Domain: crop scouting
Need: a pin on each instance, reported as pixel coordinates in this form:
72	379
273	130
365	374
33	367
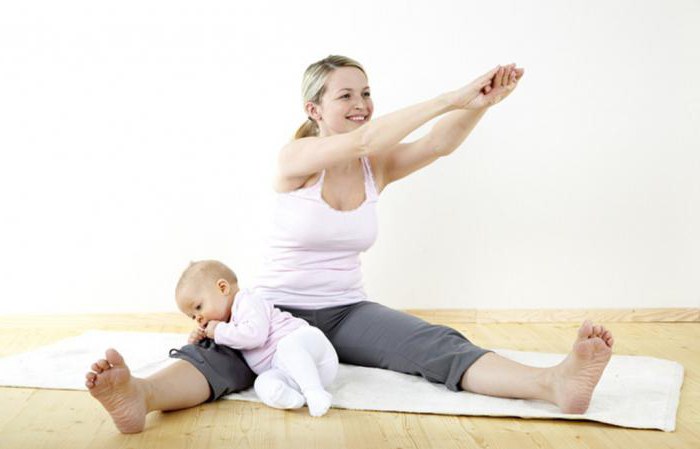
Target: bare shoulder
307	156
292	149
283	184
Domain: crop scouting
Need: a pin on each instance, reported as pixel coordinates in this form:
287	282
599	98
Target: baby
294	361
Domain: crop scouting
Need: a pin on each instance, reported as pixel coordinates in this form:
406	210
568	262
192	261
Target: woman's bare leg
128	399
569	385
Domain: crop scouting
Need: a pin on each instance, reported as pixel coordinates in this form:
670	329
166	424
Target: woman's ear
313	111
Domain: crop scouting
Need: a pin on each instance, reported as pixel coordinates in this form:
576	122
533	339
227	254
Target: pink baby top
313	257
255	328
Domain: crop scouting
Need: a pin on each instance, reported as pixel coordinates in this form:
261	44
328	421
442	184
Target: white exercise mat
638	392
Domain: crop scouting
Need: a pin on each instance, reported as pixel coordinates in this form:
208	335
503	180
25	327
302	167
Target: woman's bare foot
122	395
577	376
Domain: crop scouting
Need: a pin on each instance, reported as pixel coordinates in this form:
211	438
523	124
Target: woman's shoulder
285	184
282	184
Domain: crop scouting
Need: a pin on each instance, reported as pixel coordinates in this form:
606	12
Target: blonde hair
313	86
204	271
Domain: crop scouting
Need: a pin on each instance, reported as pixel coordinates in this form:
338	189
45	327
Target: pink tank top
313	256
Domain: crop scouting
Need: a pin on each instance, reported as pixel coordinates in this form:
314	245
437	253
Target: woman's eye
366	94
346	96
199	307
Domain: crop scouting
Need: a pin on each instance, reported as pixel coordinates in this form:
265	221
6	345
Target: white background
136	136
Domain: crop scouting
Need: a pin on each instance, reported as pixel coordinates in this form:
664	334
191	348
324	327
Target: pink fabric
313	257
255	328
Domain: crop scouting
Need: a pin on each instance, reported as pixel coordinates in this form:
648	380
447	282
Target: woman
329	179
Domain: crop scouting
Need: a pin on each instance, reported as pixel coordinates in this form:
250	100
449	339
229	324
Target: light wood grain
668	315
31	418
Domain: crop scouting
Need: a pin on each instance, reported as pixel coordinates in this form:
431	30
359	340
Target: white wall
138	135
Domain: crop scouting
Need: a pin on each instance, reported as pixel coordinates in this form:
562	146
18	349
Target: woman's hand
196	336
503	83
488	89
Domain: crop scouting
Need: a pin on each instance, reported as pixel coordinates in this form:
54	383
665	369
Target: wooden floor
31	418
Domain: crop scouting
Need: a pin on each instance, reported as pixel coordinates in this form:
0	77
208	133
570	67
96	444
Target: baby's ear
223	286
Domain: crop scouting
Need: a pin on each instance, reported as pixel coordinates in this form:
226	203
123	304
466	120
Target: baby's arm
247	330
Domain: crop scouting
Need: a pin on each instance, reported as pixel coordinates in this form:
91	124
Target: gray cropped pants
364	333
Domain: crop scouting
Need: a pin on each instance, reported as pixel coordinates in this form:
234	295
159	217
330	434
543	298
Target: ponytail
307	129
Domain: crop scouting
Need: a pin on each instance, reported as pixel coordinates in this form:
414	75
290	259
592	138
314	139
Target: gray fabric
223	367
370	334
364	333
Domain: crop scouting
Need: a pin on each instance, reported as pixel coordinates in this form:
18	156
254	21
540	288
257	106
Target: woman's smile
358	118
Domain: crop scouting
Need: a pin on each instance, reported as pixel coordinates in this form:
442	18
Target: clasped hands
487	90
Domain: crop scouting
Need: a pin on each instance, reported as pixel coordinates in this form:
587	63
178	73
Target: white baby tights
304	363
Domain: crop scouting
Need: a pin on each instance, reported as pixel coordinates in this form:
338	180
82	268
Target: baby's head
205	291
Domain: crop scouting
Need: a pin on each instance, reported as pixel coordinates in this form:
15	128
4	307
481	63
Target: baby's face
205	303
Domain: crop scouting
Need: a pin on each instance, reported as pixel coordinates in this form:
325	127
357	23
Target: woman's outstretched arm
450	131
306	156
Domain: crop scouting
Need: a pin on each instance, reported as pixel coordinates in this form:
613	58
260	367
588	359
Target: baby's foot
122	395
278	394
319	401
577	376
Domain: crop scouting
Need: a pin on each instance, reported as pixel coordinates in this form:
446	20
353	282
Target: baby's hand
196	335
211	326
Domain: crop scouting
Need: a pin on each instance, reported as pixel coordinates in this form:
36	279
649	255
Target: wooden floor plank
32	418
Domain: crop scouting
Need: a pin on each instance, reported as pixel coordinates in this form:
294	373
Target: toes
100	366
114	357
600	343
585	330
90	379
589	330
609	339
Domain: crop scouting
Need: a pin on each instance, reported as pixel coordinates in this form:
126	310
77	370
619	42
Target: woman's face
346	105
